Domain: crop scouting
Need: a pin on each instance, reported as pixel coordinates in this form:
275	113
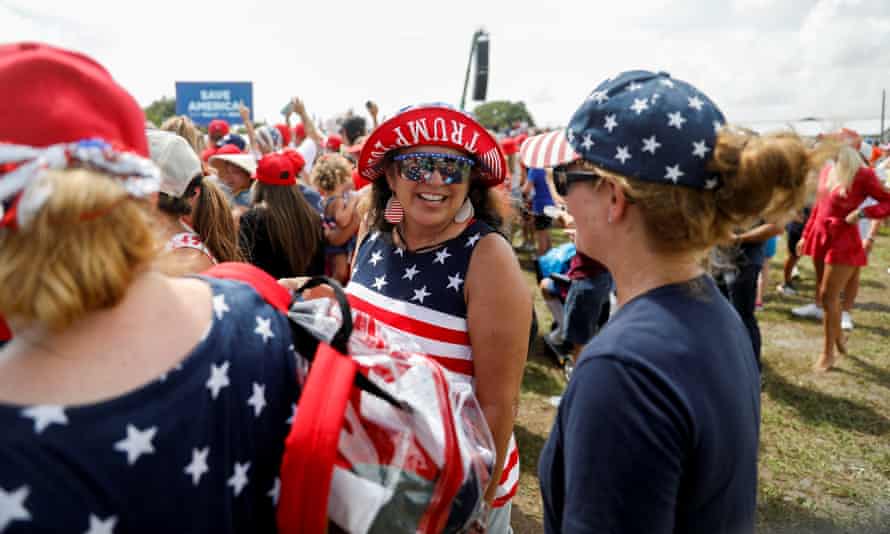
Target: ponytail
213	221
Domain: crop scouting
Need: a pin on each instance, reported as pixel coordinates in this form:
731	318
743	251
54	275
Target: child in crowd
332	176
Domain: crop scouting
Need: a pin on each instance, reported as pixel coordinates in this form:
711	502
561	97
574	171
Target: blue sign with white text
204	101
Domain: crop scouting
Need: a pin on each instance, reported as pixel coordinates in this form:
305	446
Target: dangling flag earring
394	213
465	212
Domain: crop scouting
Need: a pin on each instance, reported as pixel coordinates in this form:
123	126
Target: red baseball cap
284	130
50	96
227	149
275	169
333	143
296	160
438	125
218	127
207	152
300	131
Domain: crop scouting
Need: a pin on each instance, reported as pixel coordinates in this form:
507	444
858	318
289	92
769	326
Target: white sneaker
795	273
786	289
846	321
810	311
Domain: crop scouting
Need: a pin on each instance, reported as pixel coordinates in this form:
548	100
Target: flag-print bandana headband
23	193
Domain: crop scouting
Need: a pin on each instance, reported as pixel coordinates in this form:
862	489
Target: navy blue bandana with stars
650	127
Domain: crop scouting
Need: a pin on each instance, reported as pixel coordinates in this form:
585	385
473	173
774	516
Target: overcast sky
757	59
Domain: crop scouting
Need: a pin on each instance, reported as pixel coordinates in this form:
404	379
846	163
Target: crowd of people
138	395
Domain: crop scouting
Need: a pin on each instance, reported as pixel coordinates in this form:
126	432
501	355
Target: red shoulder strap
268	287
311	447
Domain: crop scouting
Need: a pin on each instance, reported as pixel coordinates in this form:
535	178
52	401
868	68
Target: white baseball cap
178	162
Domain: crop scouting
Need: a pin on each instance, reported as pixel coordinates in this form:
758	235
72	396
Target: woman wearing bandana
130	401
658	429
432	265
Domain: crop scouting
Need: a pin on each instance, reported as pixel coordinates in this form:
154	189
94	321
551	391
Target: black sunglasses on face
564	179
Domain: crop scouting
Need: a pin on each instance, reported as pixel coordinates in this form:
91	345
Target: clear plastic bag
420	469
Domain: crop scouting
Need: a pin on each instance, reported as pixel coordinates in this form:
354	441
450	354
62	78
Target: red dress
827	236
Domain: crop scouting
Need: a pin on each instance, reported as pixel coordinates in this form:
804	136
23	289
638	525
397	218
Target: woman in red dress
832	238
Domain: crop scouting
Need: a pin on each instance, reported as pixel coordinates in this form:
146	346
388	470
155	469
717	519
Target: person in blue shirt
658	429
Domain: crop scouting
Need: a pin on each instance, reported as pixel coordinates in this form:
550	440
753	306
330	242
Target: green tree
501	114
160	110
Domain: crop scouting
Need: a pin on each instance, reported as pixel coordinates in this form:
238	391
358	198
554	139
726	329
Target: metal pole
883	106
463	97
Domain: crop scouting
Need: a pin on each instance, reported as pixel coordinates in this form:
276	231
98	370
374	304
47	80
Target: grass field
825	438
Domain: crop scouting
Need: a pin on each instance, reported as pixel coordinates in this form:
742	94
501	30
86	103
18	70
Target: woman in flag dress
432	265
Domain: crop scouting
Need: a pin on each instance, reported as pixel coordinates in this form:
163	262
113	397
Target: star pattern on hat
45	415
650	145
640	105
673	173
198	466
611	123
676	119
700	149
587	143
623	154
137	443
696	103
598	96
634	86
264	328
666	81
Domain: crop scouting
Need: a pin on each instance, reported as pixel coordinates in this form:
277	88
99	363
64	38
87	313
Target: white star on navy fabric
441	256
474	238
420	294
219	378
137	443
12	506
711	183
275	492
676	120
640	105
375	257
655	97
673	173
219	306
258	399
611	123
239	479
379	282
399	252
587	143
454	282
570	135
717	126
598	96
374	236
410	272
696	103
263	328
700	148
293	414
666	82
198	465
634	86
651	145
623	154
45	415
102	526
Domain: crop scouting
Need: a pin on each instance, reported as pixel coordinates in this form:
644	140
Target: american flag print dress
421	295
196	450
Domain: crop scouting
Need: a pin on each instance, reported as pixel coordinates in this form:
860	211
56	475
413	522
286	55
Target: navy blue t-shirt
658	429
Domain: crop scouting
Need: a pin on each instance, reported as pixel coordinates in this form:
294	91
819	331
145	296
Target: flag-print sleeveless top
422	296
189	239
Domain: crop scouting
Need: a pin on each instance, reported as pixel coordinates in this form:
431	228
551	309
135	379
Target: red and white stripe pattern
546	151
445	339
492	161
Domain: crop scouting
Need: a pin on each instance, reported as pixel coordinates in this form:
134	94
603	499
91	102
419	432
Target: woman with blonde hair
129	401
658	429
332	175
185	128
832	238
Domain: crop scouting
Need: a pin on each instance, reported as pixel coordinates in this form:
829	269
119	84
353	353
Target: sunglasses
419	167
563	180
